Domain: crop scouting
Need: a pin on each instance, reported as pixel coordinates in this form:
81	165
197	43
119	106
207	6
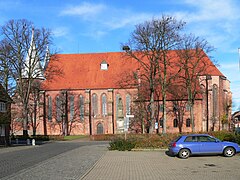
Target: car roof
196	135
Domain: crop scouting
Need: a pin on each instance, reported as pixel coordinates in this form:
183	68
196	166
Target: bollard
33	142
28	142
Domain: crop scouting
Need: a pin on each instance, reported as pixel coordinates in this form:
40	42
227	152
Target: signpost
126	124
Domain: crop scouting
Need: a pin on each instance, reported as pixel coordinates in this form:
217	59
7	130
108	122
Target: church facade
88	96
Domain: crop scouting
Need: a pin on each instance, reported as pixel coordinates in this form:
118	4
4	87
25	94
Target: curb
150	149
90	169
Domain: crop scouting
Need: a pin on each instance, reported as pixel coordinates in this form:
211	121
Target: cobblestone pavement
65	161
94	161
157	165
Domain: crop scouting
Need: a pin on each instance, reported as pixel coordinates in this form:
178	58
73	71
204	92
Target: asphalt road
15	159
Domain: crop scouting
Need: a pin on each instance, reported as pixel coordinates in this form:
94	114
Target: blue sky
88	26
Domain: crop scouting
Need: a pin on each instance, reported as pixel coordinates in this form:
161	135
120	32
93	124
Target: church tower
32	76
32	66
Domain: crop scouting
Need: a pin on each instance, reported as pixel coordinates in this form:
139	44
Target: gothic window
161	107
81	107
99	128
2	107
71	107
128	104
175	123
2	130
104	105
94	105
119	105
215	100
58	109
188	122
49	108
187	107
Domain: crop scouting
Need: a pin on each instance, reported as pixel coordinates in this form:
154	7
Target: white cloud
85	10
213	10
217	21
102	18
127	19
209	19
230	66
60	31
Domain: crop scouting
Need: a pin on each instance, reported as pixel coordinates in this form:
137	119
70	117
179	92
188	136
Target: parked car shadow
197	155
169	154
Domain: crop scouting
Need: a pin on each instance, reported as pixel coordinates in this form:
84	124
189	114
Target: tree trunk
35	118
164	114
25	121
192	117
152	113
143	127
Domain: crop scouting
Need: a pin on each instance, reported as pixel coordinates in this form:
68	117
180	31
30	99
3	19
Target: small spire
32	65
47	58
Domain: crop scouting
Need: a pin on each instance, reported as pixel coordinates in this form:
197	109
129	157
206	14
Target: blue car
200	144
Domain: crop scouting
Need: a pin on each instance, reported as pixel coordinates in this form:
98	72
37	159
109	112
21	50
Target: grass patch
74	137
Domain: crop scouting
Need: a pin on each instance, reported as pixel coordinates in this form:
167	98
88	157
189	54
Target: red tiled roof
82	71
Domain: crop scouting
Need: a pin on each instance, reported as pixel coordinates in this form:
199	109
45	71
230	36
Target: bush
121	145
226	136
152	141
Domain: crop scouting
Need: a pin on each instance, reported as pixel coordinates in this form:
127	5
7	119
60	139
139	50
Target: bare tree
5	74
150	45
24	51
178	95
194	62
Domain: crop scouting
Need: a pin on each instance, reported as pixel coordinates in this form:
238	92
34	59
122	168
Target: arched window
49	108
99	128
71	98
94	105
128	104
3	107
188	107
188	122
119	106
81	107
175	123
104	105
58	109
161	107
215	101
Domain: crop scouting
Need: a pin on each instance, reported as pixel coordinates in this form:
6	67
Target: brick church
87	96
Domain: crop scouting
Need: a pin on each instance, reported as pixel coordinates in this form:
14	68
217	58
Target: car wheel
228	152
184	153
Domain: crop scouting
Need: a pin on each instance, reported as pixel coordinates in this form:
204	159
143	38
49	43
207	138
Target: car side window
210	139
206	139
191	139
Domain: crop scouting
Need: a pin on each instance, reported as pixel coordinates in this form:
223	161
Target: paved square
157	165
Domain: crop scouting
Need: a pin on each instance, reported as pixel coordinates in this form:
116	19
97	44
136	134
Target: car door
191	143
209	145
